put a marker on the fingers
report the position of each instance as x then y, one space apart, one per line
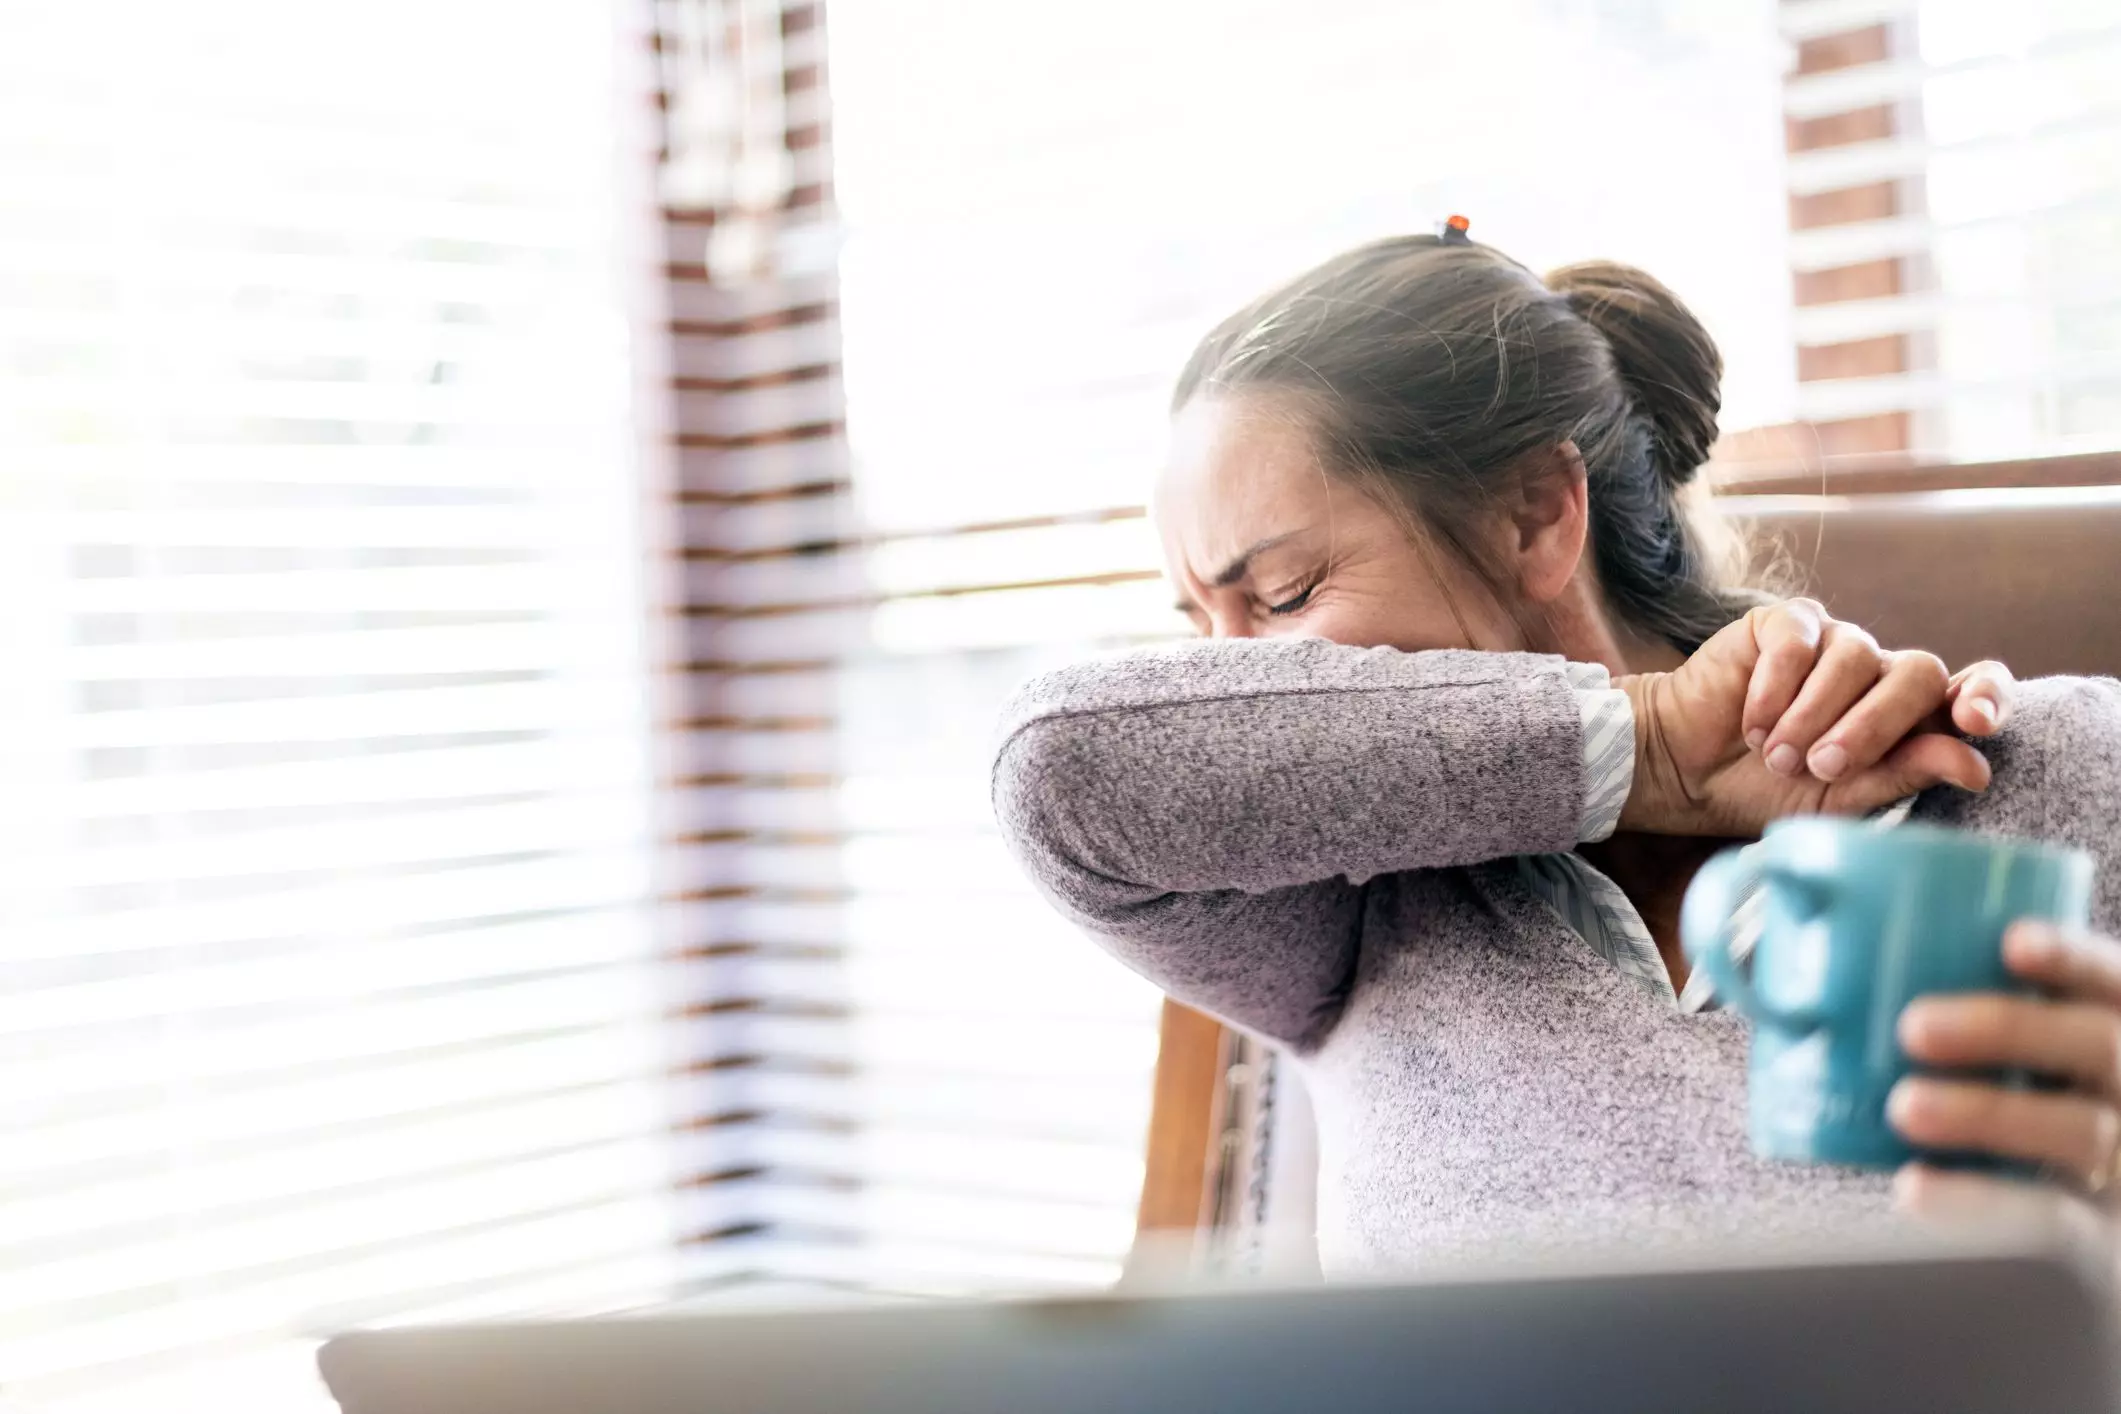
1787 637
1824 700
1849 663
1921 761
2066 960
2077 1040
1909 692
2074 1034
1982 696
2073 1132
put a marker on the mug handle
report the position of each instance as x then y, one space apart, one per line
1705 934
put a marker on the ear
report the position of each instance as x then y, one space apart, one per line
1551 520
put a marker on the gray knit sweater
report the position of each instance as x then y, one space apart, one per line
1316 843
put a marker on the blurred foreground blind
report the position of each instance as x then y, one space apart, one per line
326 989
904 1074
1955 199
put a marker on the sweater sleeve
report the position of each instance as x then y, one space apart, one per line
2057 777
1213 811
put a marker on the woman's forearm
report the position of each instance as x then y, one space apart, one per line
1254 765
1211 810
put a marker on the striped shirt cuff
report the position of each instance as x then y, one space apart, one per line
1608 749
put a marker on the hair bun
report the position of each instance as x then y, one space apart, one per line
1665 359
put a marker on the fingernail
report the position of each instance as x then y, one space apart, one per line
1784 760
1828 762
1984 712
1905 1104
1753 739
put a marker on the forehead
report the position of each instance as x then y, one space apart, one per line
1239 470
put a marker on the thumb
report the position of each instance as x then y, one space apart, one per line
1923 760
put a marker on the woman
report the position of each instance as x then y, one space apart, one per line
1474 706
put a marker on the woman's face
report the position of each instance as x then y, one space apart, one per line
1260 543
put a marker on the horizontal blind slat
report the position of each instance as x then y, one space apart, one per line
886 1211
194 988
760 354
177 471
204 1122
1057 614
1109 1112
940 1269
607 1123
759 411
1006 1046
425 838
1828 399
382 904
847 918
1026 1168
39 1296
904 804
345 1293
924 565
372 716
411 779
540 529
356 652
209 270
142 1075
882 863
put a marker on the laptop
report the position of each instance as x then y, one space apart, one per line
2015 1326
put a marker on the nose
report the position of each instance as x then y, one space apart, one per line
1222 623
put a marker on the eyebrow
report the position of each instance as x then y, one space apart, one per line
1239 567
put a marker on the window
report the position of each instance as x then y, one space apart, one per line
327 985
344 783
1956 188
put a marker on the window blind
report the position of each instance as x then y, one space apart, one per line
1955 194
328 988
902 1075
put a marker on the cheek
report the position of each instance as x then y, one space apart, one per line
1413 619
1433 602
1387 595
1405 622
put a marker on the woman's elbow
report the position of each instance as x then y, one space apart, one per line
1060 811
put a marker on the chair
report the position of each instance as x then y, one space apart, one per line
2013 561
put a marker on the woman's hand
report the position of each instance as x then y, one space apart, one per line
1788 712
2072 1033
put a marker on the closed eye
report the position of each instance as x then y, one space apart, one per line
1291 605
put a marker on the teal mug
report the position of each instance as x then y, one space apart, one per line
1855 922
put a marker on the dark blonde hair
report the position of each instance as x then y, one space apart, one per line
1430 370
